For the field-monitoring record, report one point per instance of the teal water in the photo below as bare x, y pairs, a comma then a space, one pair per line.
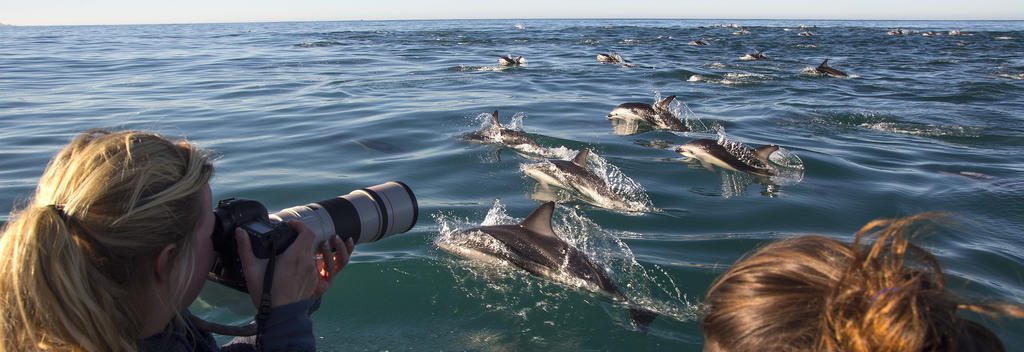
299, 112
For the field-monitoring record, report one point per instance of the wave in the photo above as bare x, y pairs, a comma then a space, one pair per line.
319, 44
894, 124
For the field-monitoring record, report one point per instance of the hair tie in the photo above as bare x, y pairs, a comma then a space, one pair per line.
59, 209
99, 250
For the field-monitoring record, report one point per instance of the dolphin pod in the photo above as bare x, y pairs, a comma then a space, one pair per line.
533, 246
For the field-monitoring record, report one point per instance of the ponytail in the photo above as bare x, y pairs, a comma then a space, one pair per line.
75, 261
57, 290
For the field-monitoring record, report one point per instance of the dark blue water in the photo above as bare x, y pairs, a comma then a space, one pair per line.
299, 112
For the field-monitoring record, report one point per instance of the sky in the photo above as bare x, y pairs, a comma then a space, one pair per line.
90, 12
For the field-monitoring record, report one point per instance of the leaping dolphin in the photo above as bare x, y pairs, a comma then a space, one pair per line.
759, 55
511, 61
657, 115
612, 58
532, 245
710, 154
502, 135
575, 175
824, 68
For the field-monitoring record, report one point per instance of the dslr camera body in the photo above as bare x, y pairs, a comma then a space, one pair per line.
365, 215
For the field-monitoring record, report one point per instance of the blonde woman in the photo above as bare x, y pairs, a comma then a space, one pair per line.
814, 293
115, 245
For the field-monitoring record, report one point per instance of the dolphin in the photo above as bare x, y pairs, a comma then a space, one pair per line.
710, 153
532, 245
575, 175
699, 42
511, 61
824, 68
658, 115
503, 135
759, 55
612, 58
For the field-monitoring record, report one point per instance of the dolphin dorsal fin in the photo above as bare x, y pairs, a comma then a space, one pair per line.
581, 158
763, 152
494, 119
824, 64
663, 104
539, 220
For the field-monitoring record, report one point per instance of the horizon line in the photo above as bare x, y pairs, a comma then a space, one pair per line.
4, 24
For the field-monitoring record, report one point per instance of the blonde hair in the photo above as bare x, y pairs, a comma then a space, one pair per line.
74, 261
814, 293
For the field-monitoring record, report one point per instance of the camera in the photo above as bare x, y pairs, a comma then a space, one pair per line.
365, 215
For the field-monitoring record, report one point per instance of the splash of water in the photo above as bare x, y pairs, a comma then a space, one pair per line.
787, 167
650, 288
634, 194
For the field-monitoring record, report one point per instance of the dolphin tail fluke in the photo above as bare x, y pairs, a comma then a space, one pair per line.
641, 318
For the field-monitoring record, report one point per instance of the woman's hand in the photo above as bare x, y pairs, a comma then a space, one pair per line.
335, 256
295, 273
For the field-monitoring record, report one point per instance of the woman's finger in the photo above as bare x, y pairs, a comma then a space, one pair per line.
329, 264
252, 268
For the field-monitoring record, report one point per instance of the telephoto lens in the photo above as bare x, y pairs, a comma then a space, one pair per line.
366, 215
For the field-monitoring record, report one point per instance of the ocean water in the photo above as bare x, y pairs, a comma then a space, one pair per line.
299, 112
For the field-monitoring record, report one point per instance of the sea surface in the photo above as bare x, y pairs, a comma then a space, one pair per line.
300, 112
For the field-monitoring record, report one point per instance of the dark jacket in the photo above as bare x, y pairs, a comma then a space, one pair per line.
288, 328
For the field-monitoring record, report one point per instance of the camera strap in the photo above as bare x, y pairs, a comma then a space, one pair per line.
264, 309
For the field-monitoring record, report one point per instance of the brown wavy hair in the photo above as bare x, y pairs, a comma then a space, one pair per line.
814, 293
74, 261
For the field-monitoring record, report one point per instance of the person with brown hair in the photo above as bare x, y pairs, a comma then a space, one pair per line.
115, 245
814, 293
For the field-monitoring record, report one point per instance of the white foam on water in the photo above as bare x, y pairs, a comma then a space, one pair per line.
645, 286
632, 193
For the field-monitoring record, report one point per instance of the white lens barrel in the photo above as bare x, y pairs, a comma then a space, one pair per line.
401, 205
366, 215
313, 215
